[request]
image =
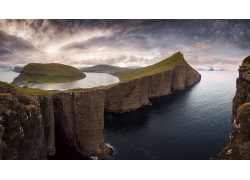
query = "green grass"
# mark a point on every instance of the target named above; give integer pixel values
(50, 73)
(26, 91)
(164, 65)
(104, 68)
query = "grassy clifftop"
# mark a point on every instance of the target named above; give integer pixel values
(166, 64)
(6, 87)
(49, 73)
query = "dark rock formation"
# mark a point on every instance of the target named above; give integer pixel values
(134, 94)
(80, 118)
(18, 69)
(26, 126)
(239, 145)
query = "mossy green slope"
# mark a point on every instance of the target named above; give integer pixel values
(5, 87)
(50, 73)
(164, 65)
(104, 68)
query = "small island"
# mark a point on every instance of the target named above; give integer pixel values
(211, 69)
(48, 73)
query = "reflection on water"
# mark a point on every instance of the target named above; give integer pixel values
(191, 124)
(91, 80)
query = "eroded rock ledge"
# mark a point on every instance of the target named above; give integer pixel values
(27, 124)
(239, 145)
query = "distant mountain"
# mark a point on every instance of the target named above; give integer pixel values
(134, 67)
(211, 69)
(18, 69)
(104, 68)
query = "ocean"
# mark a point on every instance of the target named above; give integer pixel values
(190, 124)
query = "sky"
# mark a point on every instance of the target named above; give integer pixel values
(204, 43)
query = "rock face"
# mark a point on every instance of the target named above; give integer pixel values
(134, 94)
(29, 125)
(26, 126)
(17, 69)
(239, 145)
(79, 116)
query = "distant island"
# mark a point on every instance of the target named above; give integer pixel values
(18, 69)
(103, 68)
(211, 69)
(48, 73)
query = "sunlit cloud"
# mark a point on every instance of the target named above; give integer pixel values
(124, 42)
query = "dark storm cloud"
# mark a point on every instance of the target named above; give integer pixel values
(141, 41)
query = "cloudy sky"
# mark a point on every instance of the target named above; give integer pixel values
(204, 43)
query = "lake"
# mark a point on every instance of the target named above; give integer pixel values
(91, 80)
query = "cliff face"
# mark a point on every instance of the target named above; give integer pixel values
(239, 145)
(26, 130)
(28, 124)
(134, 94)
(79, 118)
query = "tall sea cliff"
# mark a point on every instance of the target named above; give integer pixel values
(29, 123)
(239, 145)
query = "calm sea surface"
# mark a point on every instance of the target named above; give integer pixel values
(191, 124)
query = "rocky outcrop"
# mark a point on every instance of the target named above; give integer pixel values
(79, 117)
(136, 93)
(26, 130)
(18, 69)
(239, 145)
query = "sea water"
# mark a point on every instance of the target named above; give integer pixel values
(189, 124)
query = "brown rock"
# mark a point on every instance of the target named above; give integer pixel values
(239, 145)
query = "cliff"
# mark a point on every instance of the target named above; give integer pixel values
(79, 119)
(26, 124)
(18, 69)
(33, 121)
(239, 145)
(135, 93)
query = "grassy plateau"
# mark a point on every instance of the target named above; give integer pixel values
(164, 65)
(50, 73)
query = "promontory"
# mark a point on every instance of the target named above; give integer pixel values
(33, 120)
